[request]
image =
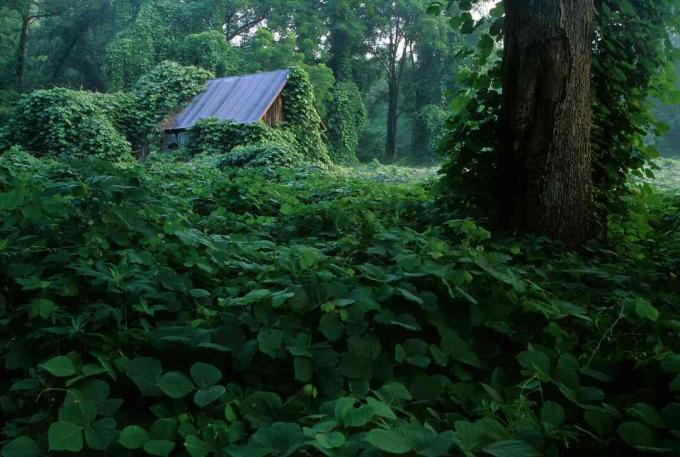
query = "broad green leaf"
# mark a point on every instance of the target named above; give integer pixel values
(636, 434)
(175, 385)
(534, 361)
(21, 447)
(133, 437)
(145, 373)
(65, 436)
(196, 447)
(101, 434)
(261, 409)
(303, 369)
(599, 420)
(281, 439)
(205, 375)
(645, 310)
(330, 440)
(510, 448)
(552, 413)
(204, 397)
(159, 448)
(331, 327)
(389, 441)
(59, 366)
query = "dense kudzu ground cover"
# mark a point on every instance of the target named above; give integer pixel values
(172, 308)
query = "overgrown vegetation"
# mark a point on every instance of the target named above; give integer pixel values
(175, 308)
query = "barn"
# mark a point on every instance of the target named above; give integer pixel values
(245, 99)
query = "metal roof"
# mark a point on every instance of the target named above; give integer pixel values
(243, 99)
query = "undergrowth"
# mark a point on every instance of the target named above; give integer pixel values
(175, 309)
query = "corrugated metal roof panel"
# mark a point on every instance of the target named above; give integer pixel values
(243, 99)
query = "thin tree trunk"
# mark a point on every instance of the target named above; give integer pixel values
(392, 115)
(21, 51)
(545, 164)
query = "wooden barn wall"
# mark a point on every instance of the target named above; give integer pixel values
(274, 115)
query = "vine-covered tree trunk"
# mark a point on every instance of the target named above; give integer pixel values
(545, 165)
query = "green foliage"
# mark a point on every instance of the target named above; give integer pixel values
(263, 154)
(167, 88)
(346, 120)
(213, 137)
(127, 59)
(210, 51)
(431, 122)
(159, 95)
(164, 307)
(632, 63)
(301, 118)
(7, 100)
(64, 122)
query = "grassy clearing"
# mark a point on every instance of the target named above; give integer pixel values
(668, 175)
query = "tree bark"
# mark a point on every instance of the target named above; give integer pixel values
(392, 114)
(21, 50)
(545, 163)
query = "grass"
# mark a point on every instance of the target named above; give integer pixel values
(668, 175)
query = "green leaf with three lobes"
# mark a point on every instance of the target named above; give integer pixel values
(65, 436)
(59, 366)
(133, 437)
(21, 447)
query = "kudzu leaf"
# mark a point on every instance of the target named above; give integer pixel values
(510, 448)
(196, 447)
(159, 448)
(204, 397)
(175, 385)
(65, 436)
(636, 434)
(388, 441)
(100, 435)
(133, 437)
(205, 375)
(59, 366)
(21, 447)
(552, 413)
(145, 373)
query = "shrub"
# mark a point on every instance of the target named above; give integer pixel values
(264, 155)
(430, 128)
(301, 118)
(160, 94)
(127, 59)
(210, 51)
(65, 122)
(346, 120)
(212, 136)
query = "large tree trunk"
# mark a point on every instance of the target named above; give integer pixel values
(21, 50)
(545, 164)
